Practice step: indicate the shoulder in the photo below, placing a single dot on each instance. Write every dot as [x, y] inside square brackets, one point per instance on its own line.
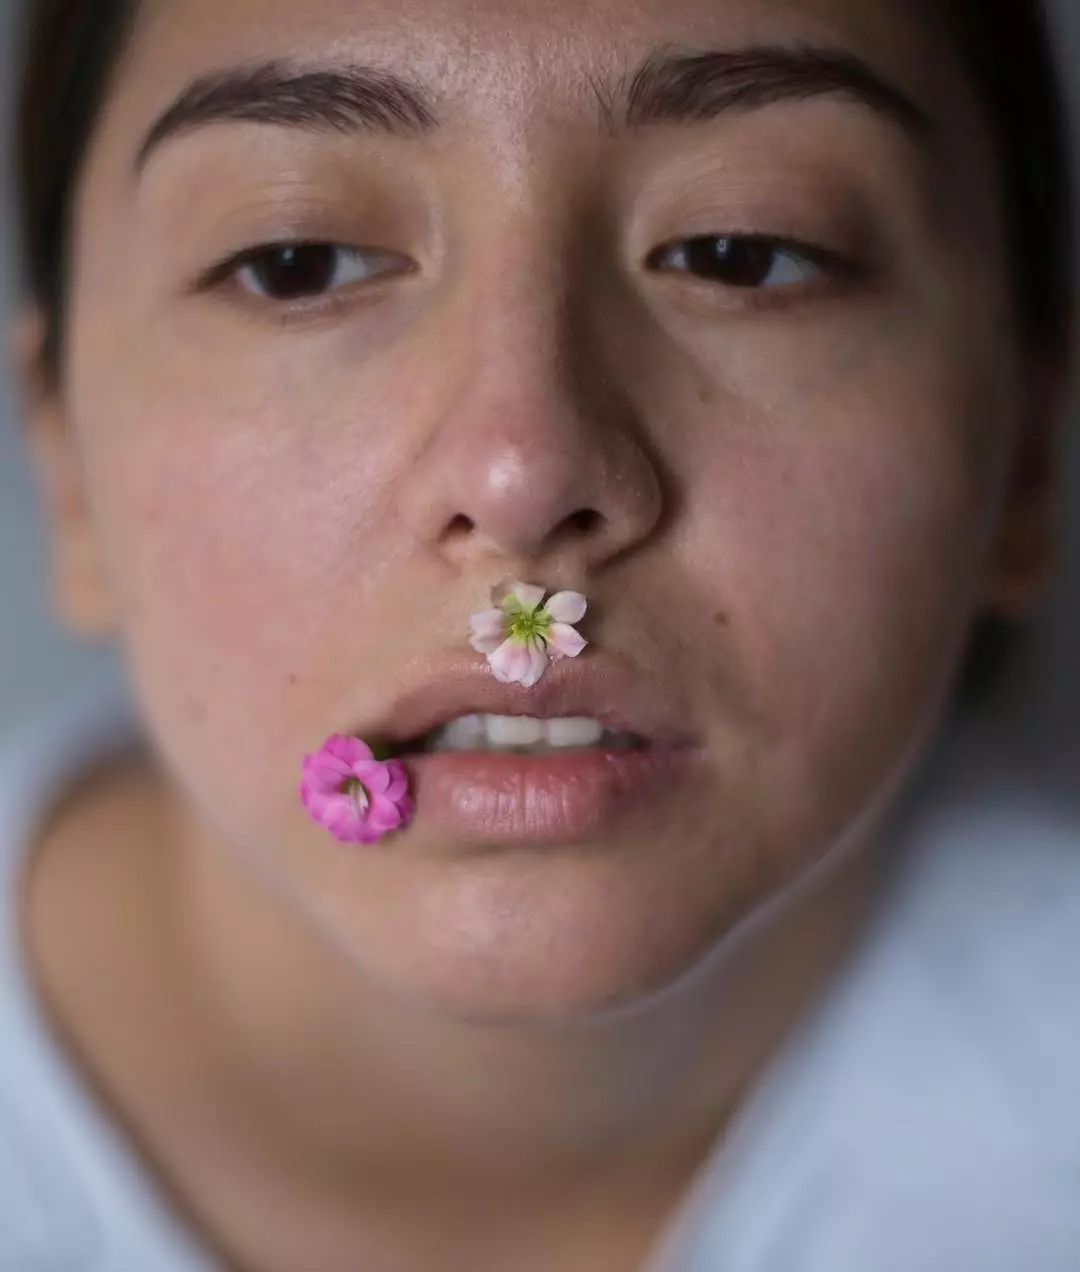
[929, 1115]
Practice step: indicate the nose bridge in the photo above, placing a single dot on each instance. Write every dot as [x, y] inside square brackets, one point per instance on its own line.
[532, 450]
[538, 368]
[524, 315]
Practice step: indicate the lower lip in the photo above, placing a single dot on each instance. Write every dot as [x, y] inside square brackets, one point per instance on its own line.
[487, 796]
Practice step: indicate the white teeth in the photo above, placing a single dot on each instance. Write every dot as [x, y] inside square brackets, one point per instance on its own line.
[469, 733]
[514, 730]
[574, 732]
[498, 733]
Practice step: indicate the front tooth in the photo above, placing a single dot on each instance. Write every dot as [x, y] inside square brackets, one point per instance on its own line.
[468, 733]
[514, 730]
[574, 731]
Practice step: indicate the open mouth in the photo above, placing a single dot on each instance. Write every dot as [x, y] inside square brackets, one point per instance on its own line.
[520, 735]
[560, 763]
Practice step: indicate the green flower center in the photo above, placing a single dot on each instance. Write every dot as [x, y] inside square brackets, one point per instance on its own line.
[528, 625]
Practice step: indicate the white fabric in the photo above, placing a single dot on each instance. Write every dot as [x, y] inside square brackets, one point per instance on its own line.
[72, 1197]
[927, 1120]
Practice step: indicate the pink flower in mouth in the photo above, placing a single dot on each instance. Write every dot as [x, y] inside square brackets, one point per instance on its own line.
[354, 796]
[521, 636]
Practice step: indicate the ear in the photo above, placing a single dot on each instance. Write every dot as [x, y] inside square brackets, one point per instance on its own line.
[78, 585]
[1026, 552]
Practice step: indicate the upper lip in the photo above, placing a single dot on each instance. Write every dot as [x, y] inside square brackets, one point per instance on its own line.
[598, 689]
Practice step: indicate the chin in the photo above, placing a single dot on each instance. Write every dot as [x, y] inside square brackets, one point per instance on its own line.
[551, 936]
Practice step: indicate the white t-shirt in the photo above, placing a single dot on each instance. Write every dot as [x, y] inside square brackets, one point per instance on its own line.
[926, 1120]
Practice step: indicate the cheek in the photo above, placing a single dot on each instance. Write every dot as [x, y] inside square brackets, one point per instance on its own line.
[843, 531]
[246, 563]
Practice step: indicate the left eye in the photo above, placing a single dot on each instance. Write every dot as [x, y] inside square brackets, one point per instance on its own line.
[736, 261]
[300, 271]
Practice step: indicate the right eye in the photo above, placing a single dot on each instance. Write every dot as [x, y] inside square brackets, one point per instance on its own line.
[305, 271]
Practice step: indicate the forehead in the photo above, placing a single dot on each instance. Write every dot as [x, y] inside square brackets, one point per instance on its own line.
[516, 57]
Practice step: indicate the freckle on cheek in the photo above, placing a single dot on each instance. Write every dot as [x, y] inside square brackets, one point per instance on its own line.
[721, 619]
[294, 679]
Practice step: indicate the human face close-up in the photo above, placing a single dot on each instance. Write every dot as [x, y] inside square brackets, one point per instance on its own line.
[697, 308]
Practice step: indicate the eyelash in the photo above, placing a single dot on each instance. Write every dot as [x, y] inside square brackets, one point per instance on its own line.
[727, 250]
[754, 251]
[232, 269]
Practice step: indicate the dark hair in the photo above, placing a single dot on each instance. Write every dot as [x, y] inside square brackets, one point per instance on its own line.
[72, 48]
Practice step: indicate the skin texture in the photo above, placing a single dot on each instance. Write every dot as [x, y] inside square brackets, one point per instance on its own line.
[803, 503]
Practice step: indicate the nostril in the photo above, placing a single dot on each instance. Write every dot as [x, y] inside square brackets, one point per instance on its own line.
[459, 528]
[585, 521]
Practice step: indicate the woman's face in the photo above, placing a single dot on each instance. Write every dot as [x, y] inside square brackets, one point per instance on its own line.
[695, 307]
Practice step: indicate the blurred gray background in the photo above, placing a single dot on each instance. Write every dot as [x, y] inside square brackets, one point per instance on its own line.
[1037, 720]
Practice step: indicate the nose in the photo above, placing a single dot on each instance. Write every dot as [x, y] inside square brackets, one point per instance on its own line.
[534, 455]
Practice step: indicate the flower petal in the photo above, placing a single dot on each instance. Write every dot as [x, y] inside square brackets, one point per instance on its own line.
[510, 662]
[324, 760]
[320, 806]
[349, 749]
[352, 831]
[399, 782]
[338, 812]
[376, 777]
[526, 595]
[565, 641]
[323, 776]
[489, 622]
[567, 607]
[328, 758]
[487, 644]
[488, 630]
[384, 815]
[538, 664]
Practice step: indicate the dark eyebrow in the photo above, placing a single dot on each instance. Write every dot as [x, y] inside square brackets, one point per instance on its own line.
[676, 87]
[670, 87]
[343, 99]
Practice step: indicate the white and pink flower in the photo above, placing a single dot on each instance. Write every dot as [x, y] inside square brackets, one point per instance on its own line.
[521, 635]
